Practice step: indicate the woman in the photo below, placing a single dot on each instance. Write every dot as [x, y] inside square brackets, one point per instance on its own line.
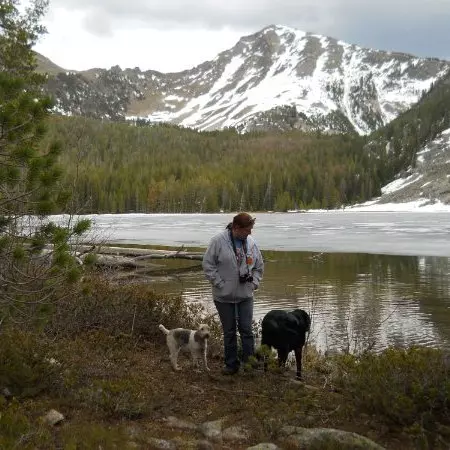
[234, 266]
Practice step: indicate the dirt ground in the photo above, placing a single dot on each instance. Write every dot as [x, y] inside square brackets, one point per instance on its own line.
[139, 390]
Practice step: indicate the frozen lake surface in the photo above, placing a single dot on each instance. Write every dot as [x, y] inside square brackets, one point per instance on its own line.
[394, 233]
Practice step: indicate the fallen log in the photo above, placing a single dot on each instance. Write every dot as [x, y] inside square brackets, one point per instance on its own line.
[192, 256]
[124, 262]
[130, 259]
[142, 253]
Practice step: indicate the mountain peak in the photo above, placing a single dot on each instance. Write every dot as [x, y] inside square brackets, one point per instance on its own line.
[279, 77]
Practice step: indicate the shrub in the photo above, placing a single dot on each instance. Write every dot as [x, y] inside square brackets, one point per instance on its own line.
[403, 386]
[120, 399]
[120, 309]
[16, 431]
[27, 367]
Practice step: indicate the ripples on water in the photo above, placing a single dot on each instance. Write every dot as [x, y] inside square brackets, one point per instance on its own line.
[357, 301]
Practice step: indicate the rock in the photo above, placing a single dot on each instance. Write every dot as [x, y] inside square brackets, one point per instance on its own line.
[134, 431]
[161, 444]
[53, 417]
[173, 422]
[52, 361]
[264, 446]
[305, 438]
[6, 393]
[235, 433]
[309, 421]
[212, 430]
[204, 445]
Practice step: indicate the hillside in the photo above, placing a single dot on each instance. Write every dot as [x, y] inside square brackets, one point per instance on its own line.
[44, 65]
[416, 149]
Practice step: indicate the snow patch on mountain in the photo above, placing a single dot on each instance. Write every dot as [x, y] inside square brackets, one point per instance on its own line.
[428, 182]
[401, 183]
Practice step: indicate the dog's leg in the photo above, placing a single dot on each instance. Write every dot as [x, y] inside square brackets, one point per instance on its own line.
[282, 356]
[195, 360]
[298, 360]
[174, 358]
[205, 362]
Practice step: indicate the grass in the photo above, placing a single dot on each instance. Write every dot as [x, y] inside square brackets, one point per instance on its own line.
[102, 362]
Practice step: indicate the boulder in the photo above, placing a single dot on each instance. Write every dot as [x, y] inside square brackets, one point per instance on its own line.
[306, 438]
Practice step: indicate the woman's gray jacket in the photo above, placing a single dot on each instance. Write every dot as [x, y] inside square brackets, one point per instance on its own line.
[221, 269]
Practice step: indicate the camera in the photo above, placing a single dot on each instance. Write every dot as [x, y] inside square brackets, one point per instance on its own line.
[247, 278]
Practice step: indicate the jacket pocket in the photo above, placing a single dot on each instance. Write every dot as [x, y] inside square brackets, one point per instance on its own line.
[226, 290]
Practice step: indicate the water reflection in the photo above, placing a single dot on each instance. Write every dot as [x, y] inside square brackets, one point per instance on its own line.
[357, 301]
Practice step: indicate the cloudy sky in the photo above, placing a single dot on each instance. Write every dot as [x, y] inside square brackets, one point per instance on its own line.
[172, 35]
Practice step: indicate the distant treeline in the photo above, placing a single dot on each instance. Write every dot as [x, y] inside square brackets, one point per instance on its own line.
[117, 167]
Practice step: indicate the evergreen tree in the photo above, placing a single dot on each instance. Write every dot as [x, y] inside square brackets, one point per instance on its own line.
[29, 175]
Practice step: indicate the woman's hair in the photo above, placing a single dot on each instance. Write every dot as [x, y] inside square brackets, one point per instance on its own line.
[241, 220]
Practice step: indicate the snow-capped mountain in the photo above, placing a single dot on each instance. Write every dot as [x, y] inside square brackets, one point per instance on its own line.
[278, 78]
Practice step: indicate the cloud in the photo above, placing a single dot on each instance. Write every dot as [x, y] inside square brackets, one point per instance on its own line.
[208, 14]
[146, 31]
[70, 44]
[419, 30]
[255, 14]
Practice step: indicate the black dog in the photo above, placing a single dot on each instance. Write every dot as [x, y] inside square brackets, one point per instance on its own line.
[286, 331]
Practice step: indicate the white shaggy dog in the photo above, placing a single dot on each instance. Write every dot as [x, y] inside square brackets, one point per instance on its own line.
[196, 341]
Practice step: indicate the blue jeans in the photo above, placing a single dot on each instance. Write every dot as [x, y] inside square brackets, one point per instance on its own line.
[236, 316]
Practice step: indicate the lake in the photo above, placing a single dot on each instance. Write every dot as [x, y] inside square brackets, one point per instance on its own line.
[369, 279]
[399, 233]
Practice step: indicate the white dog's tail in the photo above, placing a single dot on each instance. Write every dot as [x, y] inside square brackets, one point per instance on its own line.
[164, 329]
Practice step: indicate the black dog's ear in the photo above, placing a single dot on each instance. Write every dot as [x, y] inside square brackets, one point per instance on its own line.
[304, 317]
